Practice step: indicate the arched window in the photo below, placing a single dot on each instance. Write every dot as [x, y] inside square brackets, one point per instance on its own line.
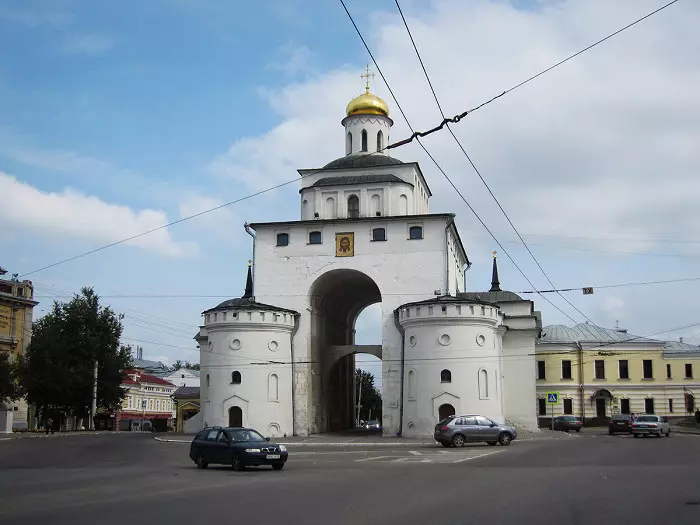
[403, 205]
[348, 144]
[411, 384]
[273, 387]
[415, 232]
[445, 376]
[376, 205]
[208, 380]
[282, 240]
[380, 140]
[483, 384]
[330, 208]
[236, 377]
[353, 207]
[378, 234]
[364, 140]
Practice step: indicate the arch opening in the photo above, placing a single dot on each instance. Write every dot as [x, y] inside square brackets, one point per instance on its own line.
[337, 298]
[235, 416]
[445, 411]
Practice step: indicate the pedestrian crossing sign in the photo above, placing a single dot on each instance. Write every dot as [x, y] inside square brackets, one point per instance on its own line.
[552, 398]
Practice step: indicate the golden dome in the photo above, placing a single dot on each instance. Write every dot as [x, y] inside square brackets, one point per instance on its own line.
[367, 104]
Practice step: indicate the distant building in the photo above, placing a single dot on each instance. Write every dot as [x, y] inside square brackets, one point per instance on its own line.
[187, 408]
[16, 315]
[146, 365]
[147, 404]
[601, 371]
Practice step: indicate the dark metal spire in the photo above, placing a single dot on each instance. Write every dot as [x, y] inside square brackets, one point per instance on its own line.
[495, 285]
[248, 283]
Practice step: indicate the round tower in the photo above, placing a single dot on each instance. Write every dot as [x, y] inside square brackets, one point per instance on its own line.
[452, 361]
[246, 371]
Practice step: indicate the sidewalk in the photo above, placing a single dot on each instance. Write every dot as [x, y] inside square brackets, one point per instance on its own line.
[685, 429]
[29, 435]
[363, 440]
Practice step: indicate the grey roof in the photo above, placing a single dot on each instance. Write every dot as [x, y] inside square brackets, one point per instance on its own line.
[684, 349]
[447, 299]
[346, 180]
[187, 391]
[247, 302]
[588, 333]
[362, 160]
[164, 373]
[501, 296]
[149, 366]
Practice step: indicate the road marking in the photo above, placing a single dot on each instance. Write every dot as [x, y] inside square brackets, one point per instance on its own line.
[415, 452]
[374, 458]
[479, 456]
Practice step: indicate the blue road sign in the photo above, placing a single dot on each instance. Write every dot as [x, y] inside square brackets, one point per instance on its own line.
[552, 398]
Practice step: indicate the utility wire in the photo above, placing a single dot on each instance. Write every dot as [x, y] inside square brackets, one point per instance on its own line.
[403, 114]
[460, 116]
[471, 162]
[400, 143]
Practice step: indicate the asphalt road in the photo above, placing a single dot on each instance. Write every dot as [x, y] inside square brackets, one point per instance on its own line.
[130, 478]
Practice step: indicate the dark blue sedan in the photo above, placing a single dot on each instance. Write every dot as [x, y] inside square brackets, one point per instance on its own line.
[238, 447]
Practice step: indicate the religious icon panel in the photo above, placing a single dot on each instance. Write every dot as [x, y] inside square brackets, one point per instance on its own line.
[344, 244]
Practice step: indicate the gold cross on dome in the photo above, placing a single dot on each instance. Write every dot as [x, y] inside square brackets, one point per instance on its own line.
[250, 262]
[366, 76]
[494, 254]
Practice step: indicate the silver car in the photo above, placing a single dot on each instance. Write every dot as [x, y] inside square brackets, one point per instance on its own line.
[649, 424]
[455, 431]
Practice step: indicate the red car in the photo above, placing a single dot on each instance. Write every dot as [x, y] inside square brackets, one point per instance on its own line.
[566, 423]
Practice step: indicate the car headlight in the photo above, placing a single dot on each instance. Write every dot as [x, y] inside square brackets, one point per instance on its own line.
[252, 450]
[283, 448]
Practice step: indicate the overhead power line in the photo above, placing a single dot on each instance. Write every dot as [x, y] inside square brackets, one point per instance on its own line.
[476, 170]
[460, 116]
[449, 180]
[620, 285]
[397, 144]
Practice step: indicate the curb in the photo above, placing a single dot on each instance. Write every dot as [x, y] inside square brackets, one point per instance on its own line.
[356, 443]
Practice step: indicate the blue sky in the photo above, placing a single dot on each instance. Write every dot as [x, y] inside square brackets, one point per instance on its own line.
[116, 118]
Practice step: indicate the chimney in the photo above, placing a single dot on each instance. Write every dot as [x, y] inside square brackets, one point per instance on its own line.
[680, 339]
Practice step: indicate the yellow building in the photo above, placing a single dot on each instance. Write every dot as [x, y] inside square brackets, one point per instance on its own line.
[600, 371]
[16, 316]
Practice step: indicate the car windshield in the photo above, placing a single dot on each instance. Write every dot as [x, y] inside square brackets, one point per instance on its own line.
[244, 436]
[570, 418]
[446, 420]
[647, 418]
[373, 422]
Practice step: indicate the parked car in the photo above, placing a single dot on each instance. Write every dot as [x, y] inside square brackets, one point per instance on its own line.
[620, 423]
[649, 424]
[238, 447]
[458, 430]
[566, 423]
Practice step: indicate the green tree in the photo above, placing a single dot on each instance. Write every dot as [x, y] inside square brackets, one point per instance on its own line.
[177, 365]
[57, 371]
[371, 398]
[10, 387]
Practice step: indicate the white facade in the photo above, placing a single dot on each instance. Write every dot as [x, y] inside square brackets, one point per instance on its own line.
[365, 236]
[182, 377]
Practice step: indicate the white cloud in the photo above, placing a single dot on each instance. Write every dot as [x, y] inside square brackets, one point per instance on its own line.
[74, 214]
[606, 142]
[90, 44]
[295, 59]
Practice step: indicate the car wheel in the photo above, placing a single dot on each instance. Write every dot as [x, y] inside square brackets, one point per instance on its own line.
[492, 443]
[237, 464]
[505, 438]
[636, 435]
[610, 432]
[278, 466]
[200, 462]
[446, 444]
[578, 430]
[458, 440]
[668, 434]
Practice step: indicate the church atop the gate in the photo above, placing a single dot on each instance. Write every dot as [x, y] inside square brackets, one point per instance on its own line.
[281, 358]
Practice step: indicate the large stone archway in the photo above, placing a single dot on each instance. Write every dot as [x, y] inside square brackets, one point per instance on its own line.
[337, 297]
